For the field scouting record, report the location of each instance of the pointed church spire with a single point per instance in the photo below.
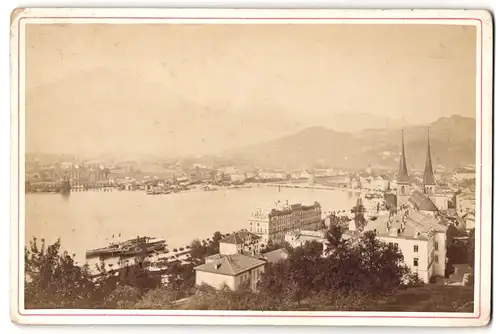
(428, 171)
(403, 170)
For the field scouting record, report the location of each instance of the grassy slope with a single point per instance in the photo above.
(430, 298)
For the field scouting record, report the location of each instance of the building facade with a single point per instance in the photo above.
(239, 243)
(231, 270)
(404, 188)
(420, 238)
(299, 237)
(273, 224)
(466, 202)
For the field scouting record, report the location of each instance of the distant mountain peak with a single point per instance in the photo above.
(453, 144)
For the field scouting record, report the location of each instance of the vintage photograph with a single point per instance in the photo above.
(251, 167)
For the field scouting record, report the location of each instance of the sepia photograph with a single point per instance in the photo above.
(192, 164)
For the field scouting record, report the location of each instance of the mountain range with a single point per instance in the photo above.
(108, 114)
(452, 145)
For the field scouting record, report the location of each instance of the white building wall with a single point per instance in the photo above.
(440, 254)
(421, 254)
(233, 282)
(470, 223)
(255, 276)
(465, 176)
(237, 177)
(382, 185)
(215, 280)
(465, 203)
(441, 202)
(227, 249)
(260, 228)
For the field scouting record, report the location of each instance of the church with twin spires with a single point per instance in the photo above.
(426, 199)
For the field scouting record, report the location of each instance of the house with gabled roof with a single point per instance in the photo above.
(420, 237)
(239, 242)
(231, 270)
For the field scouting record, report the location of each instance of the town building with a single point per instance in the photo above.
(312, 179)
(421, 202)
(266, 175)
(239, 243)
(420, 237)
(465, 202)
(429, 181)
(222, 177)
(250, 175)
(465, 173)
(304, 174)
(469, 220)
(355, 183)
(237, 177)
(381, 182)
(75, 173)
(276, 255)
(405, 189)
(231, 270)
(298, 238)
(273, 224)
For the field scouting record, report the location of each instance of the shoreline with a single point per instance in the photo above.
(177, 243)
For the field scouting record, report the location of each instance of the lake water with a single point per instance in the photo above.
(86, 220)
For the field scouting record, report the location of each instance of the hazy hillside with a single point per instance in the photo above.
(452, 141)
(103, 113)
(354, 122)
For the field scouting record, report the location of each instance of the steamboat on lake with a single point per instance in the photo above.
(131, 247)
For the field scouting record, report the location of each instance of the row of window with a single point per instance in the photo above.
(298, 213)
(415, 260)
(436, 247)
(259, 230)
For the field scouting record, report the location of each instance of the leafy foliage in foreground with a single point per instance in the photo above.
(365, 275)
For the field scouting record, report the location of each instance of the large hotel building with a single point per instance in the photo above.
(273, 224)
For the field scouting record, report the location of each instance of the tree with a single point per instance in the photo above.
(123, 297)
(336, 243)
(210, 298)
(174, 275)
(198, 251)
(201, 249)
(53, 280)
(451, 233)
(161, 298)
(272, 246)
(217, 237)
(471, 246)
(311, 250)
(294, 292)
(274, 279)
(382, 265)
(359, 213)
(181, 277)
(137, 274)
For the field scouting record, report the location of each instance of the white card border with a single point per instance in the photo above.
(481, 19)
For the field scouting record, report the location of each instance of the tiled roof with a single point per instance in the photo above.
(231, 265)
(416, 226)
(276, 255)
(239, 238)
(422, 201)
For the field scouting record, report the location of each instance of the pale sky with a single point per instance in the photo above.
(172, 89)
